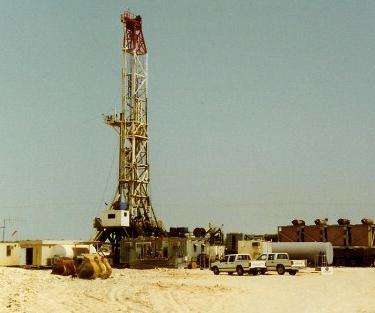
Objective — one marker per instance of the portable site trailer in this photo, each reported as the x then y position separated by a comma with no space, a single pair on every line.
42,252
151,252
254,247
10,253
175,252
38,252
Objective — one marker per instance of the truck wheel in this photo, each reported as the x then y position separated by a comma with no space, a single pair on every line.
216,270
263,271
254,272
292,272
239,270
280,269
230,273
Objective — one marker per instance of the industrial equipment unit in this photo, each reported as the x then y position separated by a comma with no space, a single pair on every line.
353,245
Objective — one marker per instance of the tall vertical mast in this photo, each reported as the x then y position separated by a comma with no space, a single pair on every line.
130,213
134,167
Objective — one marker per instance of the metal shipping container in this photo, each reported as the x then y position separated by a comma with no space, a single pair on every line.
337,235
314,233
361,235
289,233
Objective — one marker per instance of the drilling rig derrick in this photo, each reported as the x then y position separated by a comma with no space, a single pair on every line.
130,214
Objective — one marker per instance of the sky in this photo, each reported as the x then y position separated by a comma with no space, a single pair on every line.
259,112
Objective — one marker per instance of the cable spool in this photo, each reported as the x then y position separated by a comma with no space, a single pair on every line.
298,222
367,221
343,221
321,222
199,232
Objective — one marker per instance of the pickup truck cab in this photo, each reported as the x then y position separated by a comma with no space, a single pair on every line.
281,263
239,263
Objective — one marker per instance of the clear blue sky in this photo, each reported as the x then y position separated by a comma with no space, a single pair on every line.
260,112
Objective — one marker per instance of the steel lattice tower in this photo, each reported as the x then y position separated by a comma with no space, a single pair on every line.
130,213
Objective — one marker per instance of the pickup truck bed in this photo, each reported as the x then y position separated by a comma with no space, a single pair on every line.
280,263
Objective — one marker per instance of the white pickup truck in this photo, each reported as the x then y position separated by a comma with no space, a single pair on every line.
280,263
239,263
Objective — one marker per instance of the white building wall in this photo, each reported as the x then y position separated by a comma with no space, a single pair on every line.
45,258
10,253
42,250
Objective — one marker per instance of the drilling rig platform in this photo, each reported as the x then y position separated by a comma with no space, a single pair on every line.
128,223
130,214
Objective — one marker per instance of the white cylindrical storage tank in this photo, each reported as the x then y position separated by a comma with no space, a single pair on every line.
71,250
305,250
62,251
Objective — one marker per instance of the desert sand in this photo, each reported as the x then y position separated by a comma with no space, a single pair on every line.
180,290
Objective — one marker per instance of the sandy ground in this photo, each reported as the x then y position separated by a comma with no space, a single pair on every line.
170,290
